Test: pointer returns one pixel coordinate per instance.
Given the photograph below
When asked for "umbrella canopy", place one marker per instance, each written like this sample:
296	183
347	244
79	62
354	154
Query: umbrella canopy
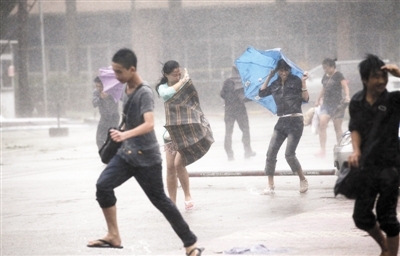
187	125
254	66
110	83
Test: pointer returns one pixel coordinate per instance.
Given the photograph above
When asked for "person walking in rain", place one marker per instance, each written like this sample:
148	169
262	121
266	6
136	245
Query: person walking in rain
108	109
377	154
289	92
333	105
169	84
235	110
139	156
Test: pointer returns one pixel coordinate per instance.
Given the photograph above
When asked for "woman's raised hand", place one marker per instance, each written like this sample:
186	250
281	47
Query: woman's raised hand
185	77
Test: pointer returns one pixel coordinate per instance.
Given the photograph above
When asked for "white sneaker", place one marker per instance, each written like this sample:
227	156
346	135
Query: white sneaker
303	186
269	191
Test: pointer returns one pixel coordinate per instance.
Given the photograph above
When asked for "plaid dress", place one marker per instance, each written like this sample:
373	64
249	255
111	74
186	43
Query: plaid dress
188	127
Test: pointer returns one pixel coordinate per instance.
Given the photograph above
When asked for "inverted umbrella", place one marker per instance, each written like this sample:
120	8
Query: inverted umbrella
187	125
254	66
110	83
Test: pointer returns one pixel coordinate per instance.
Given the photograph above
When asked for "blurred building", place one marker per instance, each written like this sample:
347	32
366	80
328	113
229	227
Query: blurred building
204	36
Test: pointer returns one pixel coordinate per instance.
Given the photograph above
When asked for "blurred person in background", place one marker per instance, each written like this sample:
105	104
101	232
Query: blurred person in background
332	104
108	109
289	92
377	153
233	94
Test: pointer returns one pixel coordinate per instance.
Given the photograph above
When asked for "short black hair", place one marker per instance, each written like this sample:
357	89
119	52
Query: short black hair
282	64
370	64
126	58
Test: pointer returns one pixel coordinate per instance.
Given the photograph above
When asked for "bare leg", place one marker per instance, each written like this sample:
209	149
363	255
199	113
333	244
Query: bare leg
377	235
303	181
301	174
393	245
270	190
112	236
172	182
337	124
271	181
183	176
323	124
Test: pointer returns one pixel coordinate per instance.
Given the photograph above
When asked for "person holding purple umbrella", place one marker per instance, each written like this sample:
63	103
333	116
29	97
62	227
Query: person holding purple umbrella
108	109
289	92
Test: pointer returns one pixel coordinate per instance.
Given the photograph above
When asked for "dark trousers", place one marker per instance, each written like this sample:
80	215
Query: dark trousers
381	183
290	128
150	180
240	116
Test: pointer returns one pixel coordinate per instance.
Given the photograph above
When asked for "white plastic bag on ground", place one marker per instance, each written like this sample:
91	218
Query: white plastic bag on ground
315	120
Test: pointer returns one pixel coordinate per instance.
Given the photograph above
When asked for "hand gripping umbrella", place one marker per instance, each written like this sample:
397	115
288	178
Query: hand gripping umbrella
110	83
254	66
187	125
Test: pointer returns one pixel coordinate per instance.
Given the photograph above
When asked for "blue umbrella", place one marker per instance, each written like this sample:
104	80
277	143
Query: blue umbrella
254	66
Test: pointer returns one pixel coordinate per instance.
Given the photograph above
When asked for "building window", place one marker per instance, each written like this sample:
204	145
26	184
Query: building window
57	60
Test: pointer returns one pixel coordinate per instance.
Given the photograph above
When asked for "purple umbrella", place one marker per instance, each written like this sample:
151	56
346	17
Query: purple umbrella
110	83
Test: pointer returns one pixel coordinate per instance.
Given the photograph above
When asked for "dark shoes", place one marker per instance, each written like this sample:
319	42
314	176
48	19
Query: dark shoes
249	154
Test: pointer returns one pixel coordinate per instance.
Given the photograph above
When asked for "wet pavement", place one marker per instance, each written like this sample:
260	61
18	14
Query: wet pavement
49	206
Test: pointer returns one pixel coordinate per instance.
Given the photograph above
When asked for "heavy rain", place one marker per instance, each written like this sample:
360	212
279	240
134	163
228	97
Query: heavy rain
51	52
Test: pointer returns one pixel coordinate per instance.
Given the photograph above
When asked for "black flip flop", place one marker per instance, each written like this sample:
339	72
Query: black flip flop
200	250
104	244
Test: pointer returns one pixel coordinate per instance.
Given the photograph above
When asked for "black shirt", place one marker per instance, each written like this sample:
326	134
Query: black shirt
233	94
385	151
332	89
288	98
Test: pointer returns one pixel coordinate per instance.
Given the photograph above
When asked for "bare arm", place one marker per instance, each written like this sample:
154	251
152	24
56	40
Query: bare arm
392	69
265	84
182	81
304	92
356	142
346	90
321	94
146	127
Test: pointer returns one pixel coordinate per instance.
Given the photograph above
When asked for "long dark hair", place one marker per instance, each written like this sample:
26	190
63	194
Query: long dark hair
168	67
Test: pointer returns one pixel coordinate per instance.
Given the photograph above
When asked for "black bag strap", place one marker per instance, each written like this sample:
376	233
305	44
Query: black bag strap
127	106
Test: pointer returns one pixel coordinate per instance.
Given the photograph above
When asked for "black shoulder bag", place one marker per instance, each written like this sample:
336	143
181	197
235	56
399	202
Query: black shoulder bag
110	147
348	181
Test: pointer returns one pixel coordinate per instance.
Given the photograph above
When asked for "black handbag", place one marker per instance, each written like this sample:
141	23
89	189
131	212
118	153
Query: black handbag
348	182
110	147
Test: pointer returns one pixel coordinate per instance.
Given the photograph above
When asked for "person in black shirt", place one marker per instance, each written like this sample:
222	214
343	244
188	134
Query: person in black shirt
333	105
289	92
235	110
378	154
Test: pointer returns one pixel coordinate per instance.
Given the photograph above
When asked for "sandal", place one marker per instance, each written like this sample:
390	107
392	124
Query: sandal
199	249
189	205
